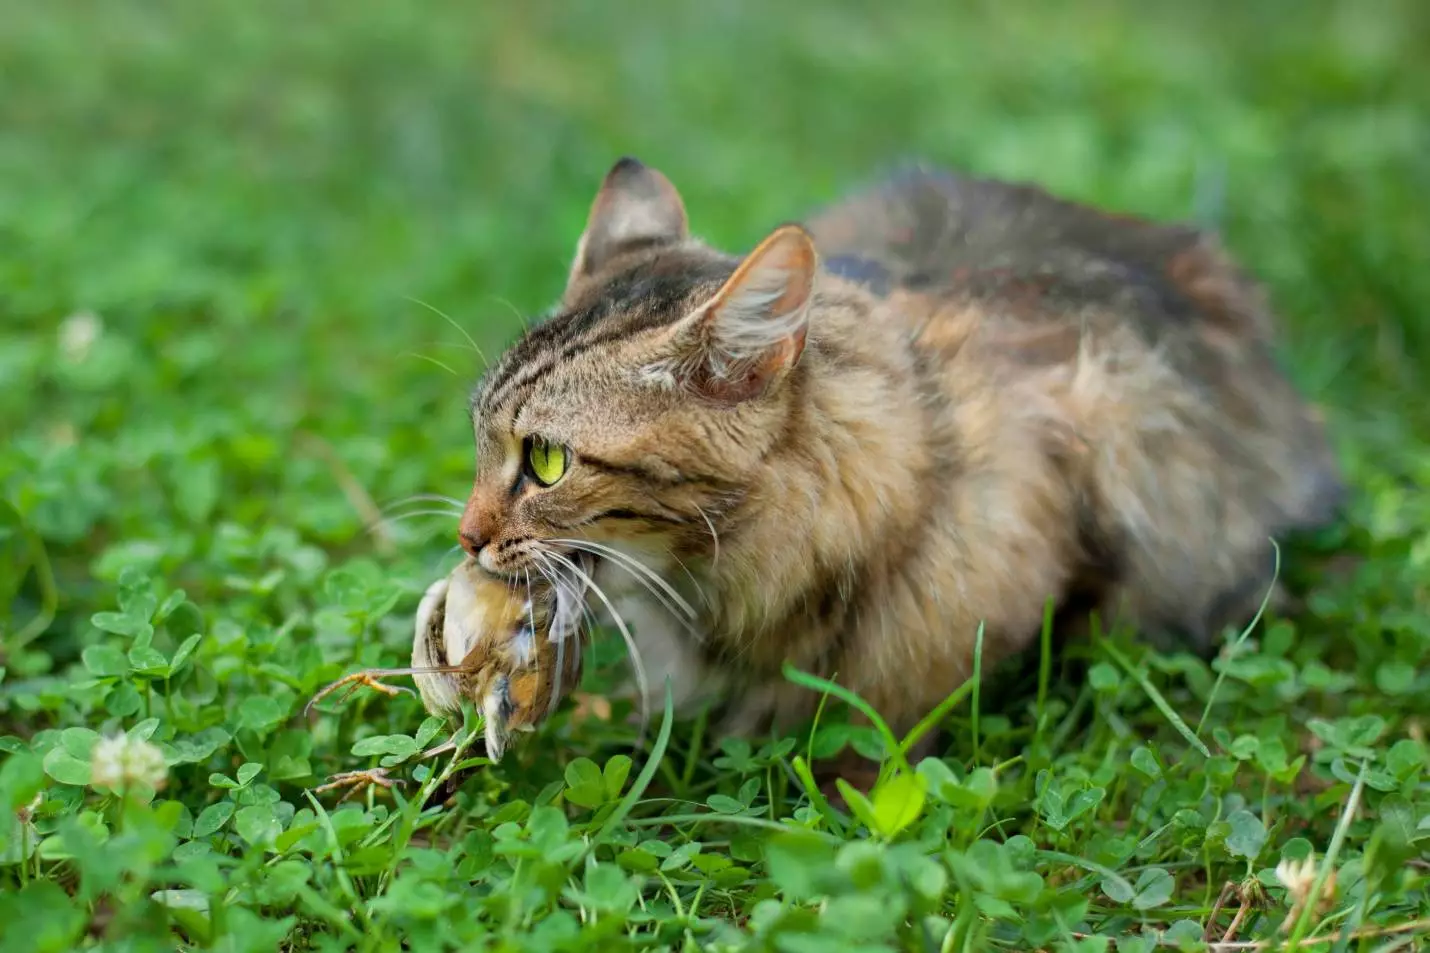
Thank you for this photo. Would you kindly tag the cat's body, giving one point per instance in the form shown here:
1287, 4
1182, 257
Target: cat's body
944, 403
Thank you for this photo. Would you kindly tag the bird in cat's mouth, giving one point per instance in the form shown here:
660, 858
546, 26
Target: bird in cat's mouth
511, 648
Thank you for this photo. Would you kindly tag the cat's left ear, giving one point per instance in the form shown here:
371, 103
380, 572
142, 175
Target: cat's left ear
752, 332
636, 205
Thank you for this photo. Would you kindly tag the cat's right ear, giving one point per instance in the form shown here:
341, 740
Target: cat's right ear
635, 206
752, 332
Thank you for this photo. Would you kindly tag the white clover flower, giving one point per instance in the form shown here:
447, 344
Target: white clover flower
78, 332
1299, 878
120, 762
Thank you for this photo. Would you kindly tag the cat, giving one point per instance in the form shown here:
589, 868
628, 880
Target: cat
933, 406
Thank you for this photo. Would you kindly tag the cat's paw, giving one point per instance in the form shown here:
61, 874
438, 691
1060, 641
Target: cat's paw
514, 652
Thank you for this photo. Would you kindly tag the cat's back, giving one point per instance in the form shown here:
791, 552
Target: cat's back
935, 232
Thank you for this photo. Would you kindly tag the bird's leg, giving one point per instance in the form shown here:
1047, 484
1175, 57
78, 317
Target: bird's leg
356, 680
355, 781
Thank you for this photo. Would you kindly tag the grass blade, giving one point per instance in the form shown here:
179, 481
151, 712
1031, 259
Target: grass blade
657, 752
817, 684
1141, 679
1245, 633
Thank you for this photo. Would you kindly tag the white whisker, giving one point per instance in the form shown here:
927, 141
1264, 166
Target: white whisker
556, 678
461, 330
425, 498
637, 569
431, 360
714, 536
411, 513
437, 570
520, 315
577, 594
531, 619
557, 582
694, 583
388, 522
642, 683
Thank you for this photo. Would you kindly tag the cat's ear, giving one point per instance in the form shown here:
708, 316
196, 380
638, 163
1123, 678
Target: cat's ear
752, 332
636, 205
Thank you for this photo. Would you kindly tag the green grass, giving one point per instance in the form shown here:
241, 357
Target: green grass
216, 220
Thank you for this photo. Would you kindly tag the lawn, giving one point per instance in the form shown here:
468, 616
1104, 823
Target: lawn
229, 234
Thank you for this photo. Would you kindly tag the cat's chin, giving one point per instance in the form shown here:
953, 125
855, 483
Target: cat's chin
512, 579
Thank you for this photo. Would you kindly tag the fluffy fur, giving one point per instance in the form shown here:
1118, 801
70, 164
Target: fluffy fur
935, 405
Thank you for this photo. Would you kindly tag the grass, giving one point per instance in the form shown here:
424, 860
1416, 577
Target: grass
217, 221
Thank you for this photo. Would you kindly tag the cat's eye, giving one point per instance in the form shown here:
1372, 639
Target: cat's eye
543, 461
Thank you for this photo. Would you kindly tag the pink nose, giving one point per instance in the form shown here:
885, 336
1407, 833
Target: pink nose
478, 525
472, 543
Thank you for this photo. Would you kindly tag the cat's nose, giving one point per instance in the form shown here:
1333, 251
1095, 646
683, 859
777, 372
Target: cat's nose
472, 543
477, 527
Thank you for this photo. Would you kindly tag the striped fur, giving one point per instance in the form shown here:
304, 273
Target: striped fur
984, 398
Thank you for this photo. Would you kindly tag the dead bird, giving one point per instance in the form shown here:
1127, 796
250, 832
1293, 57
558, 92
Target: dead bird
513, 651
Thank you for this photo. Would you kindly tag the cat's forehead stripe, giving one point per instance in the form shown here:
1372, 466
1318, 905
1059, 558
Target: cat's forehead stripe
611, 317
653, 293
533, 367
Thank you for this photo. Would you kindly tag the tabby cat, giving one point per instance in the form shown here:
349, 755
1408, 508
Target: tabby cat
934, 406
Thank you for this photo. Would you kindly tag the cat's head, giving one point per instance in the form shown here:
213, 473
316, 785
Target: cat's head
640, 411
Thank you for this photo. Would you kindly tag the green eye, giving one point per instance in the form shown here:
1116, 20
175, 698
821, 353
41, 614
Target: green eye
545, 462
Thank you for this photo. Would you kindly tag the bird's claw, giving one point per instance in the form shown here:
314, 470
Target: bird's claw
355, 681
355, 781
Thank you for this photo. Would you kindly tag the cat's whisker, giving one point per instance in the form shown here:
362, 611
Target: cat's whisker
556, 676
642, 683
694, 582
431, 360
437, 569
456, 344
519, 314
531, 615
570, 601
558, 582
461, 330
425, 498
557, 579
388, 522
411, 513
677, 612
714, 536
637, 569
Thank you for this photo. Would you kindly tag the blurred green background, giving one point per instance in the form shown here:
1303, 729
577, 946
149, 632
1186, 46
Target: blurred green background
215, 216
227, 230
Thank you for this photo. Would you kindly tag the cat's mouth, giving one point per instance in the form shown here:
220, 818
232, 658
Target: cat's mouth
552, 562
511, 578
